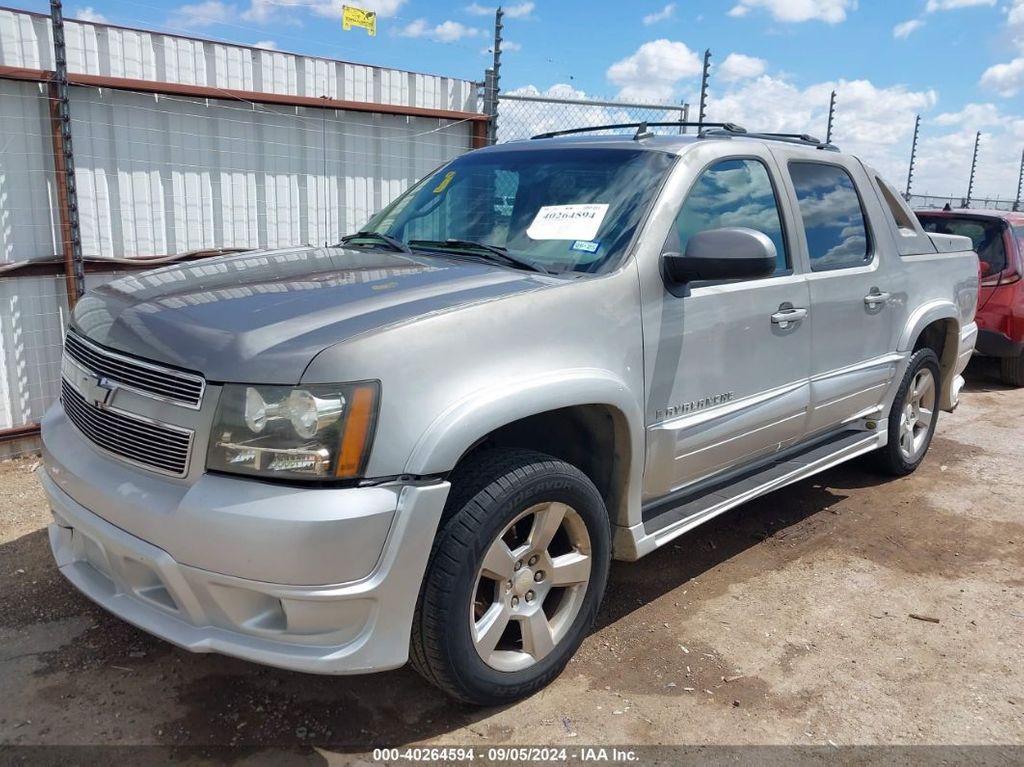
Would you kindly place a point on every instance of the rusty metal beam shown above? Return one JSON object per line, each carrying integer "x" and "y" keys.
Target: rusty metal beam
{"x": 13, "y": 433}
{"x": 229, "y": 94}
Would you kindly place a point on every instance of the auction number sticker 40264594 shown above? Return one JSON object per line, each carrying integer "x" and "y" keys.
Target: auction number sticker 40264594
{"x": 568, "y": 222}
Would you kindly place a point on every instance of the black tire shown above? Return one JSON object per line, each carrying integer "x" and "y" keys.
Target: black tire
{"x": 1012, "y": 370}
{"x": 891, "y": 459}
{"x": 489, "y": 491}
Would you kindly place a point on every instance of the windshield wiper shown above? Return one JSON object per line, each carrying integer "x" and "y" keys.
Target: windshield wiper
{"x": 490, "y": 252}
{"x": 387, "y": 239}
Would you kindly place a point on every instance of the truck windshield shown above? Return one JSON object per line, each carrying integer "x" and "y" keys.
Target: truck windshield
{"x": 561, "y": 210}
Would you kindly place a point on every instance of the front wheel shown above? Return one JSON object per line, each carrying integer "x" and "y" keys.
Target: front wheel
{"x": 914, "y": 414}
{"x": 515, "y": 577}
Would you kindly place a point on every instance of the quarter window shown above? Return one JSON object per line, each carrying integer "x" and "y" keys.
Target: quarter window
{"x": 837, "y": 236}
{"x": 732, "y": 193}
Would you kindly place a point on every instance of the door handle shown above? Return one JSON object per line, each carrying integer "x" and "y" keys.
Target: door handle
{"x": 783, "y": 317}
{"x": 876, "y": 298}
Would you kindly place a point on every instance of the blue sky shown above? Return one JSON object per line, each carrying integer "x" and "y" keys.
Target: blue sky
{"x": 960, "y": 63}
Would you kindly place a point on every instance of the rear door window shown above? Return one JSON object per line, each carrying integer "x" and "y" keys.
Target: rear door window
{"x": 986, "y": 236}
{"x": 833, "y": 218}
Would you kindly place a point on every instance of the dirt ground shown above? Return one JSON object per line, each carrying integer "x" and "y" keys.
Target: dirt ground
{"x": 784, "y": 621}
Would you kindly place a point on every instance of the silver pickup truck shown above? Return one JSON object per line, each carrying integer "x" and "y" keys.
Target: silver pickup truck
{"x": 429, "y": 441}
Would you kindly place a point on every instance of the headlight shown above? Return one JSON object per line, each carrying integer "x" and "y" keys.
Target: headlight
{"x": 303, "y": 432}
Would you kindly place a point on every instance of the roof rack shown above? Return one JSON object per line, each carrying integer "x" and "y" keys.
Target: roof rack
{"x": 705, "y": 130}
{"x": 788, "y": 138}
{"x": 642, "y": 127}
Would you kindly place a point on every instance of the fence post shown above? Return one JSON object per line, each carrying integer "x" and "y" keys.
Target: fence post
{"x": 684, "y": 114}
{"x": 494, "y": 74}
{"x": 704, "y": 90}
{"x": 1020, "y": 184}
{"x": 831, "y": 118}
{"x": 974, "y": 167}
{"x": 913, "y": 157}
{"x": 64, "y": 160}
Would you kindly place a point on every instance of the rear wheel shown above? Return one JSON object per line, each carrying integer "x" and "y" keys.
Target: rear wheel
{"x": 515, "y": 578}
{"x": 914, "y": 414}
{"x": 1012, "y": 369}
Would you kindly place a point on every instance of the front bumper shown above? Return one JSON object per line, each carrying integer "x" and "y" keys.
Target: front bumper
{"x": 330, "y": 627}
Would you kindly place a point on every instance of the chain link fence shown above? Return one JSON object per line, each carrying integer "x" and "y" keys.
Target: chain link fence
{"x": 522, "y": 115}
{"x": 981, "y": 203}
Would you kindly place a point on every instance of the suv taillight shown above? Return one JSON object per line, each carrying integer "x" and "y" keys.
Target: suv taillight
{"x": 998, "y": 280}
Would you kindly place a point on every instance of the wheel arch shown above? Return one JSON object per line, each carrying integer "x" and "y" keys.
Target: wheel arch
{"x": 936, "y": 326}
{"x": 549, "y": 415}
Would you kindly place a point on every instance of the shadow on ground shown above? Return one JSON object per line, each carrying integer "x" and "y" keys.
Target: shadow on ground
{"x": 111, "y": 666}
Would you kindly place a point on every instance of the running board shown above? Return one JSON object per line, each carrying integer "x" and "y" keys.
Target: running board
{"x": 670, "y": 517}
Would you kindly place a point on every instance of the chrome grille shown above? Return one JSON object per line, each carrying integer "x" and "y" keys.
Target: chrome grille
{"x": 141, "y": 377}
{"x": 155, "y": 446}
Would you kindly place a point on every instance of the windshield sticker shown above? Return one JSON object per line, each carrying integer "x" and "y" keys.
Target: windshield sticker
{"x": 585, "y": 246}
{"x": 567, "y": 222}
{"x": 444, "y": 182}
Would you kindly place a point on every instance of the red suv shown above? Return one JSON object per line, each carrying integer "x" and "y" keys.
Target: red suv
{"x": 998, "y": 239}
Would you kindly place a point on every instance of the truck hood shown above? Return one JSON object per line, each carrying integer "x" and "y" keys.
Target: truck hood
{"x": 261, "y": 317}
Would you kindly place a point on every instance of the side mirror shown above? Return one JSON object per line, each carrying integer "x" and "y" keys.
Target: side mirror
{"x": 733, "y": 253}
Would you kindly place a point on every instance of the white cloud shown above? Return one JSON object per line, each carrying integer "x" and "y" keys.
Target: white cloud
{"x": 663, "y": 15}
{"x": 270, "y": 45}
{"x": 517, "y": 11}
{"x": 906, "y": 29}
{"x": 507, "y": 46}
{"x": 1015, "y": 16}
{"x": 203, "y": 14}
{"x": 790, "y": 11}
{"x": 90, "y": 14}
{"x": 445, "y": 32}
{"x": 1005, "y": 79}
{"x": 951, "y": 5}
{"x": 971, "y": 116}
{"x": 520, "y": 10}
{"x": 653, "y": 71}
{"x": 738, "y": 66}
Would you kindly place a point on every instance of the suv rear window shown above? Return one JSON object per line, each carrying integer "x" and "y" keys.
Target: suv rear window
{"x": 985, "y": 234}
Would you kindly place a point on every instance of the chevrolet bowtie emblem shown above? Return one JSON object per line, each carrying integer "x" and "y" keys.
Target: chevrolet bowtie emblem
{"x": 99, "y": 390}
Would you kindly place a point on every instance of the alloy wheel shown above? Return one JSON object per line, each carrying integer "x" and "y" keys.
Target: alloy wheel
{"x": 919, "y": 413}
{"x": 530, "y": 587}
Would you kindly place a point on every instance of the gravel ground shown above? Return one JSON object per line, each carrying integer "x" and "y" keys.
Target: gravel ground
{"x": 784, "y": 621}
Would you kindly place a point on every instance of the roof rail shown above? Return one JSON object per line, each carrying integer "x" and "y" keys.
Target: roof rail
{"x": 787, "y": 138}
{"x": 642, "y": 127}
{"x": 705, "y": 130}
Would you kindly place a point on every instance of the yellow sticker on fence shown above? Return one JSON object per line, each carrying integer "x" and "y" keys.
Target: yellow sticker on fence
{"x": 357, "y": 17}
{"x": 444, "y": 182}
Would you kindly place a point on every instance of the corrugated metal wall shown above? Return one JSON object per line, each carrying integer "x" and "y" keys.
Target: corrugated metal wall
{"x": 28, "y": 199}
{"x": 160, "y": 174}
{"x": 25, "y": 41}
{"x": 168, "y": 174}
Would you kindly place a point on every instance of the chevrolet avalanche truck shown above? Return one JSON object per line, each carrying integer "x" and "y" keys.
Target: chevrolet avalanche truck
{"x": 429, "y": 441}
